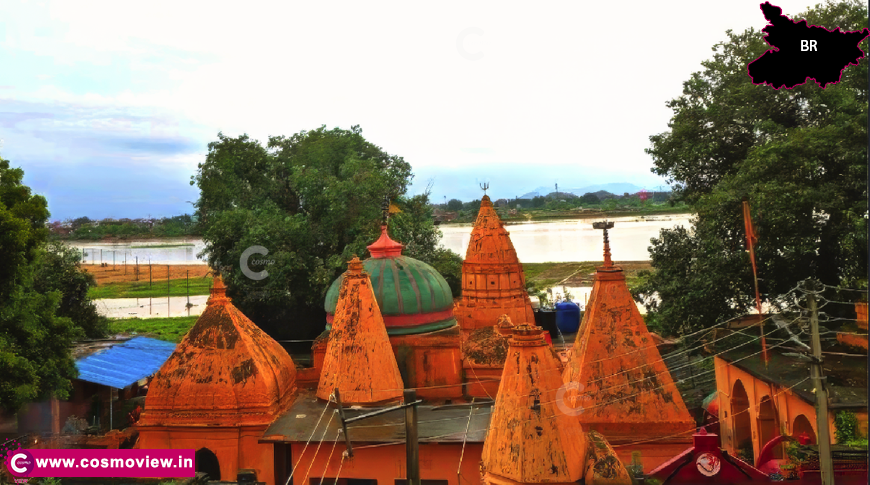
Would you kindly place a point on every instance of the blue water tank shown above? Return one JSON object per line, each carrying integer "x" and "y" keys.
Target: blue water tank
{"x": 568, "y": 317}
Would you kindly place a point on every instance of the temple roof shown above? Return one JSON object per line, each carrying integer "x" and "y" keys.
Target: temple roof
{"x": 531, "y": 439}
{"x": 413, "y": 296}
{"x": 490, "y": 242}
{"x": 493, "y": 282}
{"x": 226, "y": 371}
{"x": 359, "y": 360}
{"x": 625, "y": 388}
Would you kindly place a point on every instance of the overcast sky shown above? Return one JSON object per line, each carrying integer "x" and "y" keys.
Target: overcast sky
{"x": 109, "y": 106}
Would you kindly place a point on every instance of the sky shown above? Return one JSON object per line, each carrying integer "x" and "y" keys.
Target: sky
{"x": 109, "y": 106}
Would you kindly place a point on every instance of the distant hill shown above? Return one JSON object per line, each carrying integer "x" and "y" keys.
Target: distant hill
{"x": 614, "y": 188}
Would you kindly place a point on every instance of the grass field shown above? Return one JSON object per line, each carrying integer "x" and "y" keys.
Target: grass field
{"x": 544, "y": 275}
{"x": 169, "y": 329}
{"x": 157, "y": 289}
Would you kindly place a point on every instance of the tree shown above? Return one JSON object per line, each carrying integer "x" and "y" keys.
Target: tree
{"x": 58, "y": 270}
{"x": 313, "y": 200}
{"x": 35, "y": 343}
{"x": 454, "y": 205}
{"x": 589, "y": 199}
{"x": 799, "y": 156}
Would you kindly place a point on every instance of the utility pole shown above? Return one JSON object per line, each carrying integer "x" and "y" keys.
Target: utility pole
{"x": 821, "y": 394}
{"x": 412, "y": 446}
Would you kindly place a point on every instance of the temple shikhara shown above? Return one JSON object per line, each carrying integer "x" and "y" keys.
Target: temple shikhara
{"x": 492, "y": 399}
{"x": 617, "y": 376}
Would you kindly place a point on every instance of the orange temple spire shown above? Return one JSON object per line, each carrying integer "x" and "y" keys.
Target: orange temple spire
{"x": 530, "y": 440}
{"x": 623, "y": 384}
{"x": 493, "y": 282}
{"x": 359, "y": 360}
{"x": 225, "y": 372}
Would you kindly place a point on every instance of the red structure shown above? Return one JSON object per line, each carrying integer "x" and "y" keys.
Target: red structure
{"x": 219, "y": 391}
{"x": 618, "y": 377}
{"x": 359, "y": 361}
{"x": 704, "y": 462}
{"x": 531, "y": 439}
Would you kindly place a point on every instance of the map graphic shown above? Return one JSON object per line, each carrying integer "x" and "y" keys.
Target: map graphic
{"x": 801, "y": 52}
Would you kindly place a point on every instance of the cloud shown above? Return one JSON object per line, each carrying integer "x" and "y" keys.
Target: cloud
{"x": 103, "y": 161}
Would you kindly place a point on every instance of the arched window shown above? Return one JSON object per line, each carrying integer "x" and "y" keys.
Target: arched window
{"x": 768, "y": 424}
{"x": 742, "y": 423}
{"x": 207, "y": 462}
{"x": 802, "y": 425}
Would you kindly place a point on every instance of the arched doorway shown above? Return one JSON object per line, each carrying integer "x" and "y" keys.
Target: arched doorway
{"x": 207, "y": 462}
{"x": 802, "y": 425}
{"x": 768, "y": 424}
{"x": 742, "y": 423}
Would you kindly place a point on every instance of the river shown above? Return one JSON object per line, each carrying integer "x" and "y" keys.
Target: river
{"x": 574, "y": 240}
{"x": 535, "y": 242}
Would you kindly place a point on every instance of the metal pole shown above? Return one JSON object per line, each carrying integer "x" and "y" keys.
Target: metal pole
{"x": 412, "y": 446}
{"x": 110, "y": 409}
{"x": 343, "y": 423}
{"x": 825, "y": 461}
{"x": 101, "y": 256}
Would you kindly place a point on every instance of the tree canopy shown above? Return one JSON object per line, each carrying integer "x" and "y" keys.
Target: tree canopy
{"x": 313, "y": 200}
{"x": 35, "y": 342}
{"x": 799, "y": 156}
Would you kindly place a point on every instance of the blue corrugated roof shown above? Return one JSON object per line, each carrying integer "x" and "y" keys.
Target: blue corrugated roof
{"x": 123, "y": 364}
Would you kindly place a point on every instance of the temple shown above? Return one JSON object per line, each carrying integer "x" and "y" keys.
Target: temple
{"x": 531, "y": 438}
{"x": 618, "y": 377}
{"x": 416, "y": 305}
{"x": 219, "y": 391}
{"x": 359, "y": 361}
{"x": 493, "y": 285}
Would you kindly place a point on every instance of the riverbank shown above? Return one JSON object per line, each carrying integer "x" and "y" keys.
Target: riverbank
{"x": 527, "y": 216}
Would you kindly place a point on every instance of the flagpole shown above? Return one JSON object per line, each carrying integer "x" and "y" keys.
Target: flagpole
{"x": 750, "y": 240}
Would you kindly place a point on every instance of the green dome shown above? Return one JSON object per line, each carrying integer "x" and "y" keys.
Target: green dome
{"x": 413, "y": 296}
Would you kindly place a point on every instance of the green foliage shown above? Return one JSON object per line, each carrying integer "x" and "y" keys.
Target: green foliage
{"x": 589, "y": 199}
{"x": 170, "y": 329}
{"x": 313, "y": 200}
{"x": 58, "y": 270}
{"x": 454, "y": 205}
{"x": 845, "y": 426}
{"x": 35, "y": 342}
{"x": 86, "y": 229}
{"x": 798, "y": 155}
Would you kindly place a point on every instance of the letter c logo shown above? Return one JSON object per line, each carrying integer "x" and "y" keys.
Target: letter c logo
{"x": 243, "y": 263}
{"x": 21, "y": 463}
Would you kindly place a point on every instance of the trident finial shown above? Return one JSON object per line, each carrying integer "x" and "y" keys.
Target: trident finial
{"x": 484, "y": 186}
{"x": 605, "y": 224}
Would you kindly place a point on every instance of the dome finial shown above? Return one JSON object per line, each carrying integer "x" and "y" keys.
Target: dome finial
{"x": 355, "y": 266}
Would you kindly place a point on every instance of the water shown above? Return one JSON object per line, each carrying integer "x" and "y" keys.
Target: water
{"x": 574, "y": 240}
{"x": 535, "y": 242}
{"x": 182, "y": 251}
{"x": 176, "y": 306}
